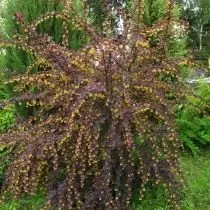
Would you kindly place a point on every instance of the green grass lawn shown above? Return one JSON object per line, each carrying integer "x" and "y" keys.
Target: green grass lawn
{"x": 197, "y": 197}
{"x": 197, "y": 177}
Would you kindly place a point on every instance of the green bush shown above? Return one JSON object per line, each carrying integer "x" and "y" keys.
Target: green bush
{"x": 4, "y": 161}
{"x": 7, "y": 119}
{"x": 193, "y": 119}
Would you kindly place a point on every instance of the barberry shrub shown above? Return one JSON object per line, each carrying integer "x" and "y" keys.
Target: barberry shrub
{"x": 101, "y": 121}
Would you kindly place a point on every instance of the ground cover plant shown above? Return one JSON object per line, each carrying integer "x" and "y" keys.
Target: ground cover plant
{"x": 101, "y": 122}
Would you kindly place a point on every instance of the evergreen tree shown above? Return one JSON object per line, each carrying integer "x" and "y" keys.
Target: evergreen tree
{"x": 16, "y": 13}
{"x": 154, "y": 10}
{"x": 15, "y": 59}
{"x": 197, "y": 13}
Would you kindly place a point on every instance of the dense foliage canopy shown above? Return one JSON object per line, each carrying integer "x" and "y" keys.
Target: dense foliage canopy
{"x": 101, "y": 121}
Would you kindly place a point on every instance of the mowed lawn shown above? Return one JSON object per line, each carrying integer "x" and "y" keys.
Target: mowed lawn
{"x": 197, "y": 176}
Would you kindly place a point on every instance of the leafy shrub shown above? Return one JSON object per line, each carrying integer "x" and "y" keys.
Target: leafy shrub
{"x": 89, "y": 110}
{"x": 6, "y": 120}
{"x": 4, "y": 162}
{"x": 193, "y": 119}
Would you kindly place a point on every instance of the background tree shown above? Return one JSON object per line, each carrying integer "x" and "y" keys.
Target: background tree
{"x": 197, "y": 13}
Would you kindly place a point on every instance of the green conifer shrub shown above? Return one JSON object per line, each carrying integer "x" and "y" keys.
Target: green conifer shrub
{"x": 13, "y": 60}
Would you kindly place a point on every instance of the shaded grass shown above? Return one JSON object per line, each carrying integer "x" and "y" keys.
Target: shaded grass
{"x": 26, "y": 203}
{"x": 197, "y": 177}
{"x": 153, "y": 200}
